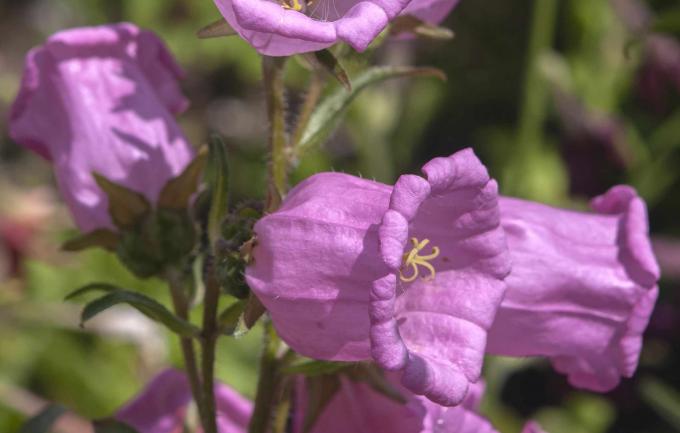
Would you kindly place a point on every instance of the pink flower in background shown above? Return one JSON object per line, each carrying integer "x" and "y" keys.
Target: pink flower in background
{"x": 162, "y": 406}
{"x": 410, "y": 276}
{"x": 102, "y": 99}
{"x": 582, "y": 287}
{"x": 276, "y": 28}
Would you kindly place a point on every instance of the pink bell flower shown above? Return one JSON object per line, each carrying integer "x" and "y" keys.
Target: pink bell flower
{"x": 411, "y": 276}
{"x": 582, "y": 287}
{"x": 102, "y": 99}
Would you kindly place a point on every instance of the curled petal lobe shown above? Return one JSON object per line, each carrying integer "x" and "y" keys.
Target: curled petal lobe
{"x": 430, "y": 11}
{"x": 101, "y": 99}
{"x": 582, "y": 288}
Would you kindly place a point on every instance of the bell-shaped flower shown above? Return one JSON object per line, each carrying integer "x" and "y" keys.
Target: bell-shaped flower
{"x": 102, "y": 99}
{"x": 162, "y": 406}
{"x": 582, "y": 287}
{"x": 411, "y": 276}
{"x": 286, "y": 27}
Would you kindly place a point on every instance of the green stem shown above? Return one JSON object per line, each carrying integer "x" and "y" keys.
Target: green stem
{"x": 208, "y": 347}
{"x": 272, "y": 74}
{"x": 181, "y": 306}
{"x": 535, "y": 95}
{"x": 265, "y": 399}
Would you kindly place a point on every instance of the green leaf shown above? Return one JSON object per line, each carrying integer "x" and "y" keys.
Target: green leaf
{"x": 416, "y": 26}
{"x": 177, "y": 192}
{"x": 328, "y": 62}
{"x": 102, "y": 238}
{"x": 149, "y": 307}
{"x": 663, "y": 399}
{"x": 111, "y": 426}
{"x": 126, "y": 207}
{"x": 218, "y": 181}
{"x": 316, "y": 368}
{"x": 216, "y": 29}
{"x": 43, "y": 421}
{"x": 102, "y": 287}
{"x": 329, "y": 112}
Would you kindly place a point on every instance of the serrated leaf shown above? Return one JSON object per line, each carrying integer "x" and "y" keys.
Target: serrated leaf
{"x": 320, "y": 392}
{"x": 149, "y": 307}
{"x": 126, "y": 207}
{"x": 102, "y": 238}
{"x": 217, "y": 174}
{"x": 231, "y": 320}
{"x": 177, "y": 191}
{"x": 328, "y": 62}
{"x": 216, "y": 29}
{"x": 92, "y": 287}
{"x": 416, "y": 26}
{"x": 43, "y": 421}
{"x": 329, "y": 112}
{"x": 111, "y": 426}
{"x": 316, "y": 368}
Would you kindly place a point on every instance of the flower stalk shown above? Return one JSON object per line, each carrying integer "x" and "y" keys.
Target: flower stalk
{"x": 272, "y": 73}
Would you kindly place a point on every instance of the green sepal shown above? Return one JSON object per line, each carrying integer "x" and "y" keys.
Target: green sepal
{"x": 216, "y": 29}
{"x": 126, "y": 207}
{"x": 329, "y": 112}
{"x": 111, "y": 426}
{"x": 320, "y": 391}
{"x": 418, "y": 27}
{"x": 99, "y": 238}
{"x": 178, "y": 191}
{"x": 330, "y": 63}
{"x": 374, "y": 377}
{"x": 254, "y": 310}
{"x": 217, "y": 176}
{"x": 43, "y": 421}
{"x": 231, "y": 320}
{"x": 149, "y": 307}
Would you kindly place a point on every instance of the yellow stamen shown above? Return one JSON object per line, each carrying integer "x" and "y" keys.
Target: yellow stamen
{"x": 413, "y": 259}
{"x": 296, "y": 6}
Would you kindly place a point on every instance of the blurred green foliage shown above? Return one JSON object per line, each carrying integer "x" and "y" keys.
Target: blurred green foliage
{"x": 505, "y": 101}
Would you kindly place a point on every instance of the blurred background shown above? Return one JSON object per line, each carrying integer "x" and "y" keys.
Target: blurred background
{"x": 561, "y": 103}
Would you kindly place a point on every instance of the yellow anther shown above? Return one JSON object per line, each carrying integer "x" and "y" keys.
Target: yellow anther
{"x": 413, "y": 259}
{"x": 296, "y": 6}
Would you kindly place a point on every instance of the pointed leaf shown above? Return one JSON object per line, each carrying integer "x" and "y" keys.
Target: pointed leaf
{"x": 92, "y": 287}
{"x": 177, "y": 192}
{"x": 218, "y": 182}
{"x": 329, "y": 112}
{"x": 126, "y": 207}
{"x": 316, "y": 368}
{"x": 149, "y": 307}
{"x": 216, "y": 29}
{"x": 111, "y": 426}
{"x": 43, "y": 421}
{"x": 320, "y": 392}
{"x": 416, "y": 26}
{"x": 327, "y": 60}
{"x": 102, "y": 238}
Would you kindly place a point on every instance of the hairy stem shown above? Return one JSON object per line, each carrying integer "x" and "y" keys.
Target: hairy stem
{"x": 265, "y": 399}
{"x": 181, "y": 306}
{"x": 272, "y": 74}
